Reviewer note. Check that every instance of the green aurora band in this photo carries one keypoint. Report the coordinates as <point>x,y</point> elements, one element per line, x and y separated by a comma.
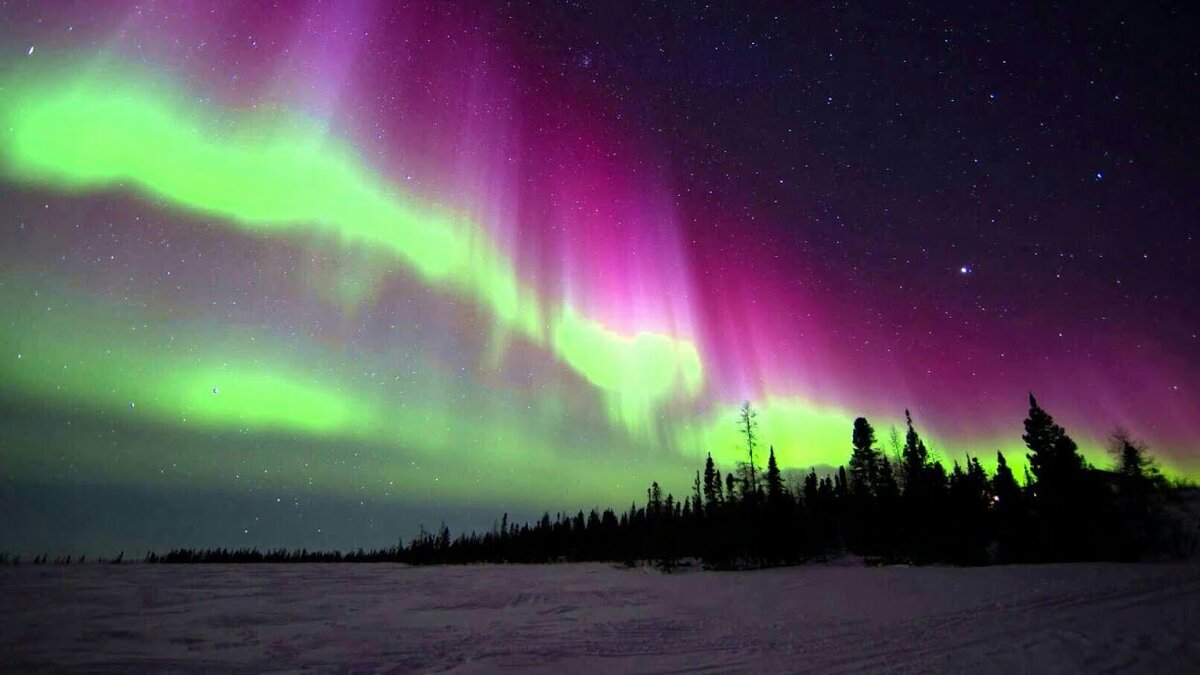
<point>100,361</point>
<point>87,129</point>
<point>271,174</point>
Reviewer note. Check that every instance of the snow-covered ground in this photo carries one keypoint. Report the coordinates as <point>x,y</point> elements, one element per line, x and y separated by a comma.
<point>598,618</point>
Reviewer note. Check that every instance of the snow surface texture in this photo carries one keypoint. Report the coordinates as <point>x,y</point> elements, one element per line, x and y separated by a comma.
<point>599,618</point>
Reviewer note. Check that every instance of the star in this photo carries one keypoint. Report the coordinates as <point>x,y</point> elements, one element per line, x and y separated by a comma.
<point>595,255</point>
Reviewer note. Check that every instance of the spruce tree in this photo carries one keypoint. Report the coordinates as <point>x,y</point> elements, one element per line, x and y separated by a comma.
<point>1054,458</point>
<point>864,459</point>
<point>914,458</point>
<point>887,503</point>
<point>862,523</point>
<point>887,490</point>
<point>1139,485</point>
<point>1004,484</point>
<point>748,427</point>
<point>774,481</point>
<point>712,484</point>
<point>1008,505</point>
<point>1061,488</point>
<point>968,514</point>
<point>654,503</point>
<point>924,485</point>
<point>775,543</point>
<point>810,489</point>
<point>1134,465</point>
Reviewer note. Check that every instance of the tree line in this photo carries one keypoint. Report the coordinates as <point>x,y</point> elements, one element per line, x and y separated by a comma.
<point>903,507</point>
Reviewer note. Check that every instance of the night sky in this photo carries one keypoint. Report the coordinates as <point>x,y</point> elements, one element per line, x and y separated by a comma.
<point>312,274</point>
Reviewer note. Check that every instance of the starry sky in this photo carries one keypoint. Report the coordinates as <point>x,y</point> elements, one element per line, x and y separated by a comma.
<point>312,273</point>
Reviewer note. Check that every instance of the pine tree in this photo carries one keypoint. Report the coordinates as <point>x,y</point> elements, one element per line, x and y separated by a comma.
<point>748,427</point>
<point>1008,505</point>
<point>654,503</point>
<point>887,503</point>
<point>1054,458</point>
<point>887,490</point>
<point>1061,488</point>
<point>979,479</point>
<point>1004,484</point>
<point>744,472</point>
<point>1138,484</point>
<point>923,496</point>
<point>810,489</point>
<point>914,456</point>
<point>1134,464</point>
<point>712,486</point>
<point>862,527</point>
<point>968,514</point>
<point>936,482</point>
<point>864,460</point>
<point>774,480</point>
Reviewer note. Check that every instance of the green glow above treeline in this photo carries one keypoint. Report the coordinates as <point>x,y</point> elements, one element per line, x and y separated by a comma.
<point>78,129</point>
<point>222,387</point>
<point>85,128</point>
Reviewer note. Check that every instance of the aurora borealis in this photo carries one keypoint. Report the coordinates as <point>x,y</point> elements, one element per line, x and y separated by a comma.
<point>349,266</point>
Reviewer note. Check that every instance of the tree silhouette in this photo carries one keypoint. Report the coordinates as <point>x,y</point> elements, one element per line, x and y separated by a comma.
<point>860,506</point>
<point>1133,462</point>
<point>1011,518</point>
<point>970,502</point>
<point>1139,486</point>
<point>1054,458</point>
<point>774,480</point>
<point>748,426</point>
<point>1063,490</point>
<point>914,458</point>
<point>887,504</point>
<point>923,497</point>
<point>654,503</point>
<point>712,486</point>
<point>1069,511</point>
<point>864,460</point>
